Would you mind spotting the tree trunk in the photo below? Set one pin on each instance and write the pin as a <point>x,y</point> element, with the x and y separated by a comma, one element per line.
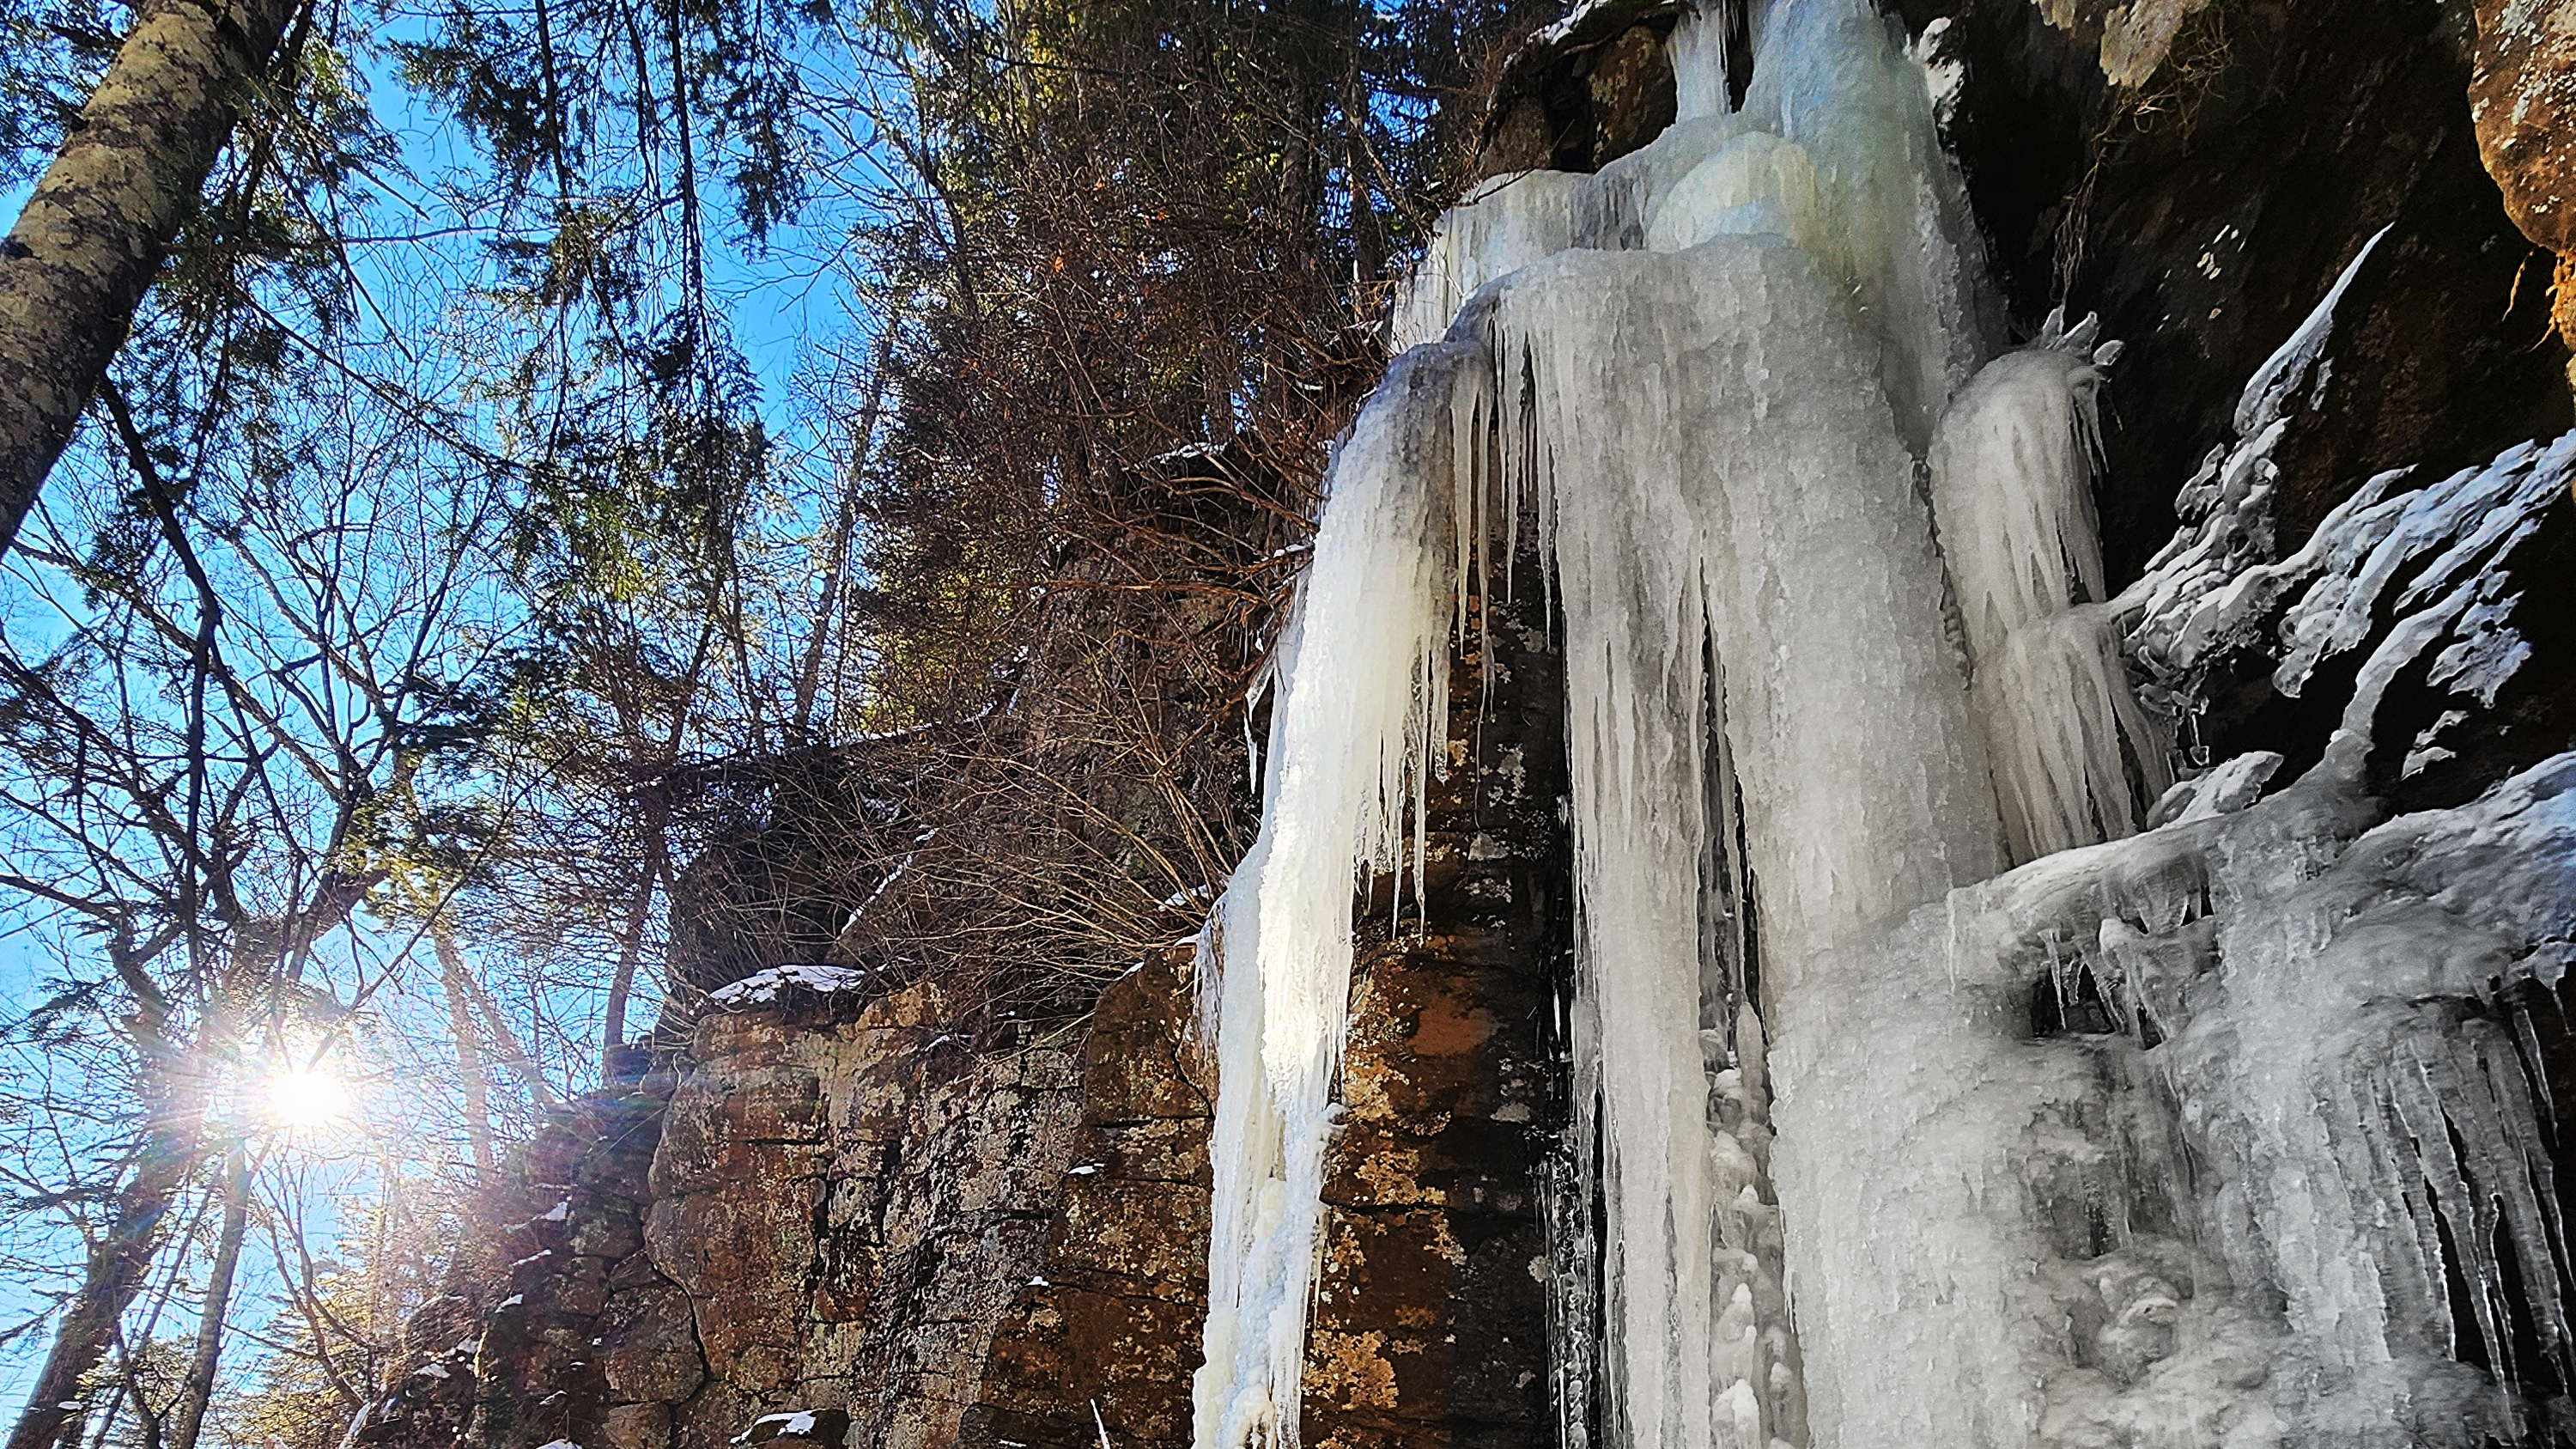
<point>809,676</point>
<point>118,1265</point>
<point>630,949</point>
<point>91,237</point>
<point>200,1388</point>
<point>513,1055</point>
<point>469,1050</point>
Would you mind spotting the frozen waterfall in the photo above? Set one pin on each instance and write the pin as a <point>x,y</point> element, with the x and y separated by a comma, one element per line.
<point>1854,1193</point>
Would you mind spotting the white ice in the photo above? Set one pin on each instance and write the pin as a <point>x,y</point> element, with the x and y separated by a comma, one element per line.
<point>1360,686</point>
<point>2074,756</point>
<point>1855,1194</point>
<point>1716,428</point>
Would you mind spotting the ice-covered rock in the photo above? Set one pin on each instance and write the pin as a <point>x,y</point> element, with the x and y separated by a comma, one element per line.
<point>2176,1133</point>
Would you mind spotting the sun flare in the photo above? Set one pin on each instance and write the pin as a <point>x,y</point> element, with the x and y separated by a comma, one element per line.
<point>306,1097</point>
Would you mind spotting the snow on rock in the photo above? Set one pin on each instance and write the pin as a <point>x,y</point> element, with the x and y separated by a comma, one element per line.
<point>2268,392</point>
<point>2384,551</point>
<point>2217,581</point>
<point>2229,787</point>
<point>764,986</point>
<point>828,1426</point>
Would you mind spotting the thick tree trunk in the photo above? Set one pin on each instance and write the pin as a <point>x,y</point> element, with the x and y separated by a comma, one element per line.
<point>92,235</point>
<point>118,1264</point>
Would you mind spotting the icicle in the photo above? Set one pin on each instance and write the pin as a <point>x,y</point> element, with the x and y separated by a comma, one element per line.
<point>1503,225</point>
<point>1698,50</point>
<point>2012,496</point>
<point>1717,486</point>
<point>1718,474</point>
<point>1356,726</point>
<point>1867,1201</point>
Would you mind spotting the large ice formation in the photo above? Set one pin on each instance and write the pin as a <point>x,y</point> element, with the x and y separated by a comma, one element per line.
<point>2181,1132</point>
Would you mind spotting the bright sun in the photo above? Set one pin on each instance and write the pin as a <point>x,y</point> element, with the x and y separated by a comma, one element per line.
<point>306,1097</point>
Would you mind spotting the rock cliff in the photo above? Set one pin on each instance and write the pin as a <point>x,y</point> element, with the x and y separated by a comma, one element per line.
<point>846,1216</point>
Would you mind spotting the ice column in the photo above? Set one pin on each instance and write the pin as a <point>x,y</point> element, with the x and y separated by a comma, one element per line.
<point>1698,51</point>
<point>1361,705</point>
<point>1715,418</point>
<point>1740,554</point>
<point>1835,151</point>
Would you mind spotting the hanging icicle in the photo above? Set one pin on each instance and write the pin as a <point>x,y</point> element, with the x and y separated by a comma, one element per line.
<point>2075,759</point>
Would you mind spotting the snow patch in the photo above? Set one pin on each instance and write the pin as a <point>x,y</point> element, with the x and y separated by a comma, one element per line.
<point>764,986</point>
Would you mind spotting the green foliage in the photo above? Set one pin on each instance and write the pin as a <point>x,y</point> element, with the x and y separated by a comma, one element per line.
<point>57,50</point>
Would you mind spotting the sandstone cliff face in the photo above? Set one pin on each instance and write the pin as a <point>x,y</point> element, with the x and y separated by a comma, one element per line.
<point>1112,1318</point>
<point>834,1204</point>
<point>825,1206</point>
<point>2522,95</point>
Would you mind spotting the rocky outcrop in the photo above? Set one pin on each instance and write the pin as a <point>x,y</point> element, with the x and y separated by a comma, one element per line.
<point>2522,96</point>
<point>834,1201</point>
<point>1585,92</point>
<point>1110,1322</point>
<point>2202,203</point>
<point>824,1206</point>
<point>845,1209</point>
<point>511,1354</point>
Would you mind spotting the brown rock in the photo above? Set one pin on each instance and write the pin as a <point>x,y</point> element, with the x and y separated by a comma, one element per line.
<point>2522,99</point>
<point>651,1355</point>
<point>732,1250</point>
<point>1631,85</point>
<point>581,1288</point>
<point>635,1426</point>
<point>1578,97</point>
<point>2522,96</point>
<point>1112,1316</point>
